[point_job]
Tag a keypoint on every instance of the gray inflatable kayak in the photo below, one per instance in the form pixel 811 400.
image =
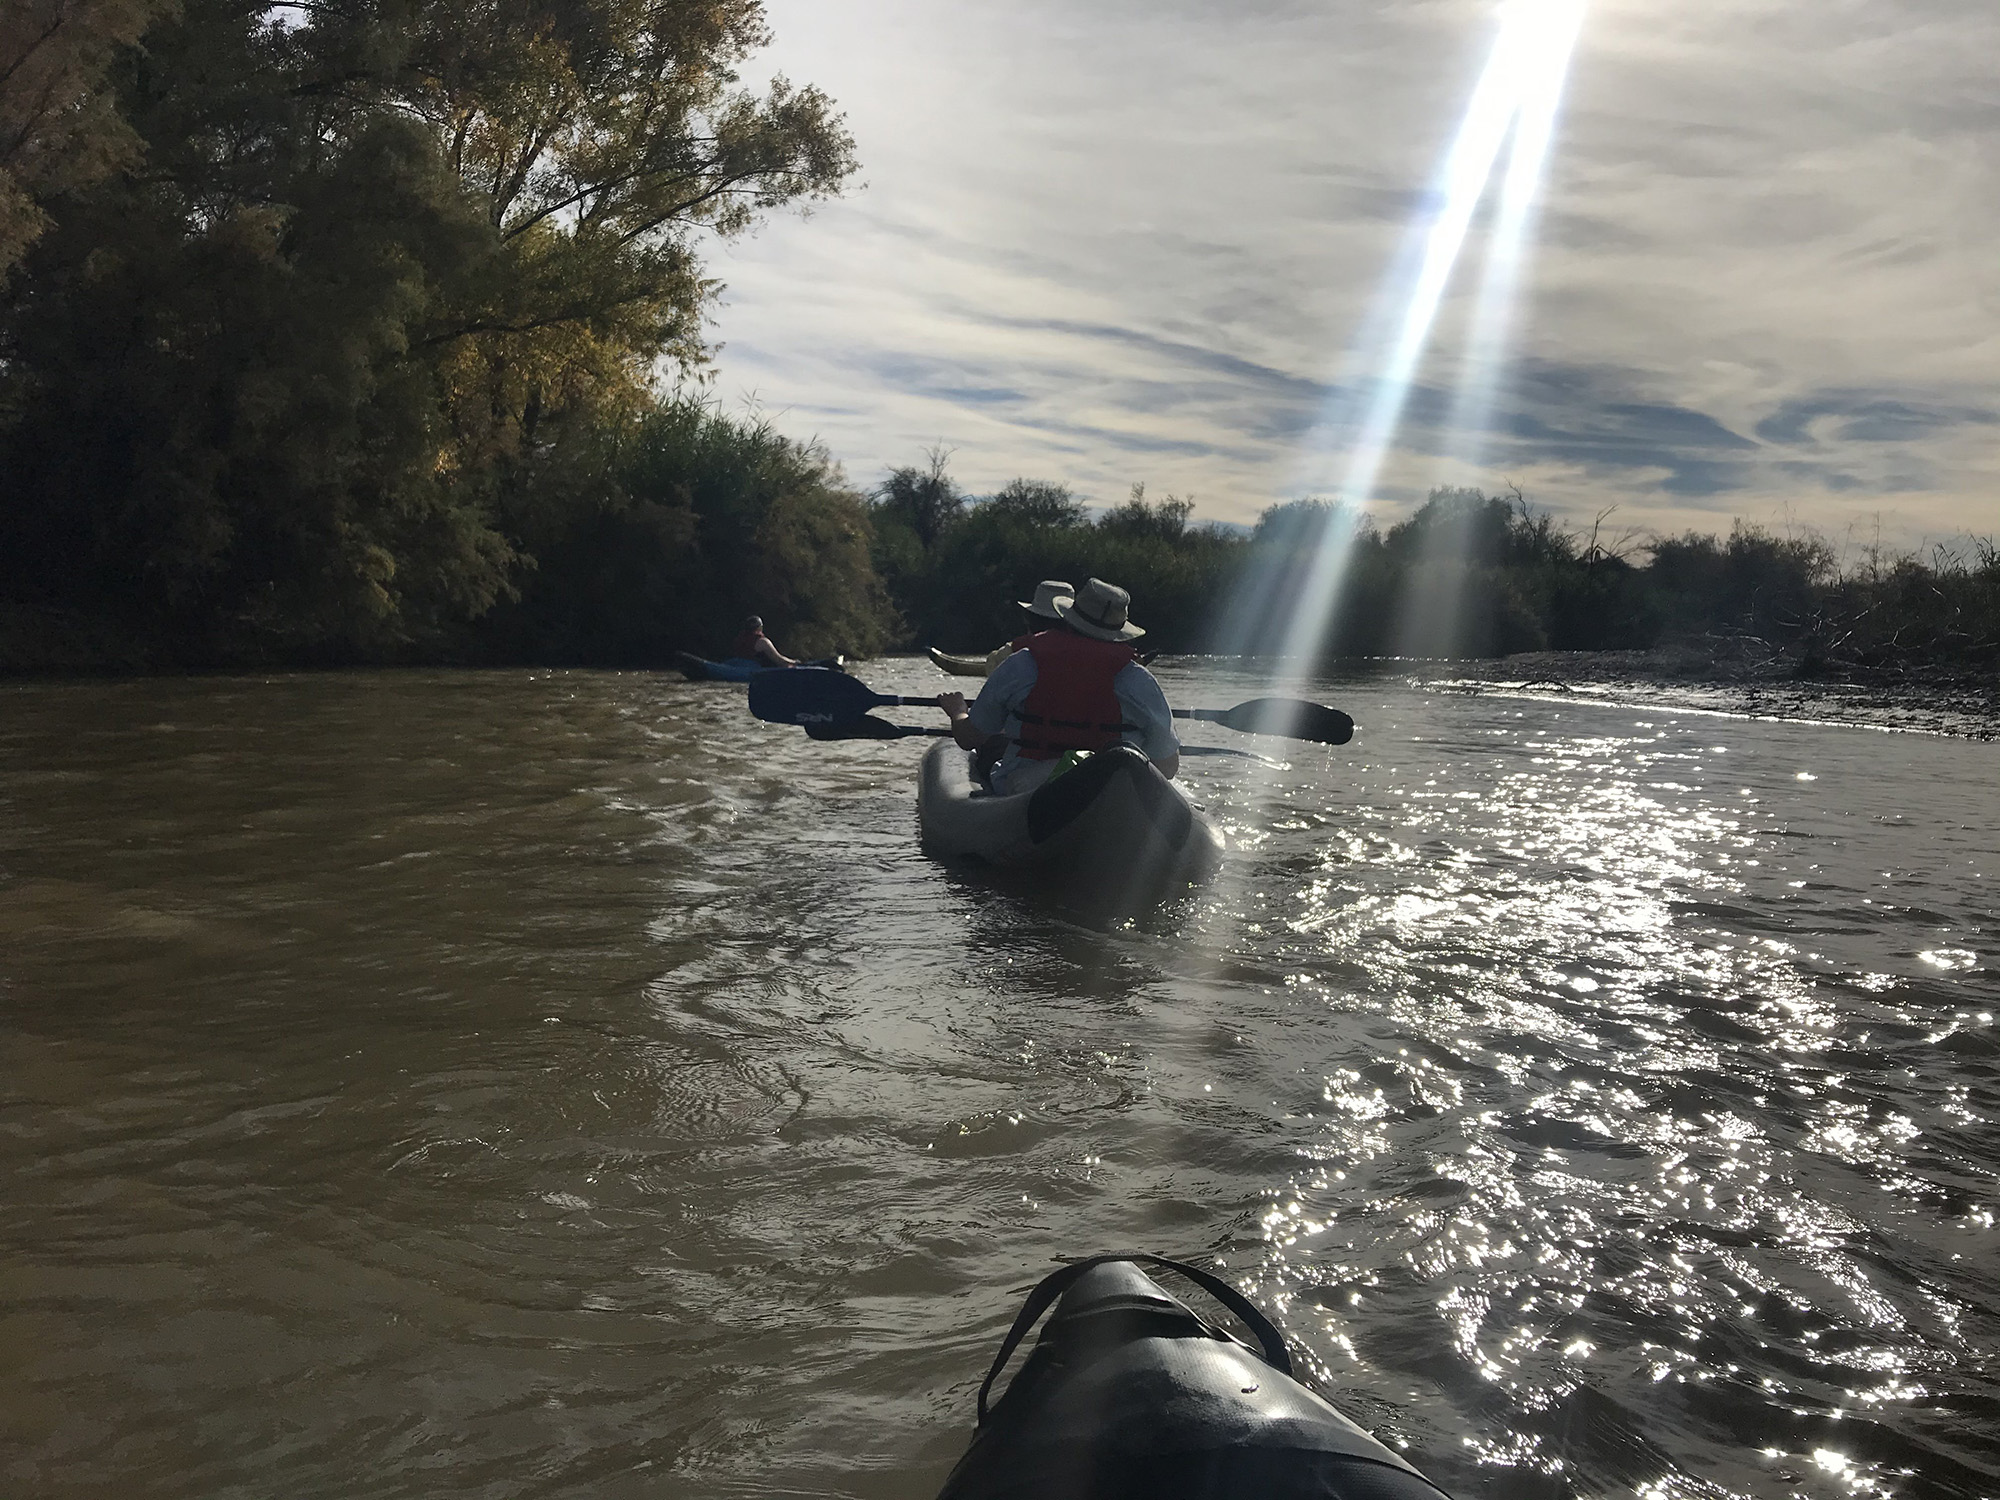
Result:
pixel 1113 824
pixel 1129 1395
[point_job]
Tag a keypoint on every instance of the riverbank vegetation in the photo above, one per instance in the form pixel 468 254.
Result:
pixel 1466 575
pixel 351 333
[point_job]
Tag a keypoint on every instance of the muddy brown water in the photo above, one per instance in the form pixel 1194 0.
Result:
pixel 557 1084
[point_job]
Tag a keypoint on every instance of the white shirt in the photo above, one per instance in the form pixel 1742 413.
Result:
pixel 1142 706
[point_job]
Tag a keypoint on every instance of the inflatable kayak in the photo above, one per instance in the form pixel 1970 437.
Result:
pixel 1128 1395
pixel 1113 824
pixel 982 666
pixel 739 668
pixel 970 666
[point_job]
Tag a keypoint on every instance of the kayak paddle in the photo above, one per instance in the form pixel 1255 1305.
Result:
pixel 1292 717
pixel 815 697
pixel 868 727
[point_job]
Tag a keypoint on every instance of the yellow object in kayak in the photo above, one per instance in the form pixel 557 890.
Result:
pixel 970 666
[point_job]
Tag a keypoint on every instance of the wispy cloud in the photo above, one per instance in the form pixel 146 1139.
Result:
pixel 1825 418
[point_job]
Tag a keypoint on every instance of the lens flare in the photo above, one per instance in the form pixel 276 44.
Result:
pixel 1516 97
pixel 1431 614
pixel 1510 244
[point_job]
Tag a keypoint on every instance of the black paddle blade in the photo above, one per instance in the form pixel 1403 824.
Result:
pixel 810 695
pixel 813 695
pixel 868 727
pixel 1291 717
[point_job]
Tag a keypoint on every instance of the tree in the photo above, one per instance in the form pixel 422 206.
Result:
pixel 383 284
pixel 59 129
pixel 1166 520
pixel 706 518
pixel 925 500
pixel 1035 502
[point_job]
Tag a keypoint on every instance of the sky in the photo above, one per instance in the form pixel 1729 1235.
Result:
pixel 1155 240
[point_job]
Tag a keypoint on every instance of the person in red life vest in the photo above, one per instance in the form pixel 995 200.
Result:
pixel 752 645
pixel 1074 687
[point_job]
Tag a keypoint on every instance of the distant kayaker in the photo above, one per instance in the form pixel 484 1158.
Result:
pixel 1073 687
pixel 751 644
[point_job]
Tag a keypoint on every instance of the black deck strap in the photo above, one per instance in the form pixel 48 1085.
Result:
pixel 1073 723
pixel 1061 800
pixel 1054 1285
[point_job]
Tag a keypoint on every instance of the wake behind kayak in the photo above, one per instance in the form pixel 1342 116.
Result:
pixel 1129 1395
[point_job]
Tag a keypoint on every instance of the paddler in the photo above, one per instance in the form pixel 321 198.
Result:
pixel 1075 686
pixel 1039 614
pixel 752 645
pixel 1041 610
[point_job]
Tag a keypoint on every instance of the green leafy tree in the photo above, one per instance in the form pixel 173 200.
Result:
pixel 1165 520
pixel 378 294
pixel 704 518
pixel 1035 502
pixel 59 128
pixel 924 500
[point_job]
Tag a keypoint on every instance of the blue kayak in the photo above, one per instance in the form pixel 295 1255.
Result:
pixel 1129 1395
pixel 741 668
pixel 730 669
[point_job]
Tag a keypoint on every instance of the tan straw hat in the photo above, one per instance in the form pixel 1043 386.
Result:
pixel 1100 611
pixel 1049 593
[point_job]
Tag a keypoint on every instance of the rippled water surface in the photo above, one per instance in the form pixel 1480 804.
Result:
pixel 558 1085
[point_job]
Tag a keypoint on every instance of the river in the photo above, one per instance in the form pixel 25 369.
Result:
pixel 515 1084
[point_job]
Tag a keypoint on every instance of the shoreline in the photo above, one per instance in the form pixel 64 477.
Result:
pixel 1755 684
pixel 1749 679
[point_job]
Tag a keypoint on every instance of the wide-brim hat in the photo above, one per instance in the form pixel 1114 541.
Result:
pixel 1048 594
pixel 1099 610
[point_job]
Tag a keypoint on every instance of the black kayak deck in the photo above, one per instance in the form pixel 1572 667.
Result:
pixel 1056 804
pixel 1129 1395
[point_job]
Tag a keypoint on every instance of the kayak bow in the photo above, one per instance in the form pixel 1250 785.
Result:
pixel 982 666
pixel 970 666
pixel 1129 1395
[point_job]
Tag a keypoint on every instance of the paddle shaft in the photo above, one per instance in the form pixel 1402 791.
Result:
pixel 807 695
pixel 869 727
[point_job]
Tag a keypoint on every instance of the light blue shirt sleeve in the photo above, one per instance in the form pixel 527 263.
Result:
pixel 1145 709
pixel 1007 688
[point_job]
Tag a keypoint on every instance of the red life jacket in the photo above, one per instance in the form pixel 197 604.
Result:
pixel 745 644
pixel 1071 706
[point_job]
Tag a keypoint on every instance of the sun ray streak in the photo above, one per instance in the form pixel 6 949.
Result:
pixel 1430 616
pixel 1511 243
pixel 1516 94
